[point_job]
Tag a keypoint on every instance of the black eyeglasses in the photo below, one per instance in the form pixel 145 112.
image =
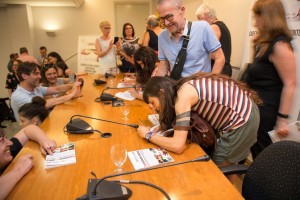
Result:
pixel 169 18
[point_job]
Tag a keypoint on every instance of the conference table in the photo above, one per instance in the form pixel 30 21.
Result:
pixel 196 180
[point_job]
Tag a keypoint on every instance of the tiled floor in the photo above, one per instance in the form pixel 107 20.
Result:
pixel 11 128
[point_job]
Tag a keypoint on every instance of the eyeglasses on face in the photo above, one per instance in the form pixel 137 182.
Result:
pixel 107 28
pixel 169 18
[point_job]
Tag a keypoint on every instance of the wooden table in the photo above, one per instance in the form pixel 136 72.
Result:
pixel 190 181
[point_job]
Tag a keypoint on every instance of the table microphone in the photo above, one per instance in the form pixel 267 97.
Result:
pixel 109 97
pixel 112 190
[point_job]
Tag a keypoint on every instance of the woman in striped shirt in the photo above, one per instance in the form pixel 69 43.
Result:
pixel 221 101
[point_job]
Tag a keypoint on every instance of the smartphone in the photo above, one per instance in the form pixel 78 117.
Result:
pixel 72 78
pixel 116 39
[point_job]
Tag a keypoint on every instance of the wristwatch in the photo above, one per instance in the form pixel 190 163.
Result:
pixel 148 136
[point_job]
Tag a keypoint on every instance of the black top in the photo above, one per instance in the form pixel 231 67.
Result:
pixel 153 41
pixel 15 147
pixel 225 41
pixel 263 77
pixel 12 81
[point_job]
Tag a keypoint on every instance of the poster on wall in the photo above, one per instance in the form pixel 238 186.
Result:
pixel 87 59
pixel 292 11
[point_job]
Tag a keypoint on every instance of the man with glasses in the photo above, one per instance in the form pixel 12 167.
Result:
pixel 202 47
pixel 10 148
pixel 29 75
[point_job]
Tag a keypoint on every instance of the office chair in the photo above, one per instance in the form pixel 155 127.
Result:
pixel 273 175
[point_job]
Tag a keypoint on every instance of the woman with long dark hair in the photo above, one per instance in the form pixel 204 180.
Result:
pixel 229 106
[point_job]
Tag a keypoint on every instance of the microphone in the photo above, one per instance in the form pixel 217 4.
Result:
pixel 109 97
pixel 71 121
pixel 105 189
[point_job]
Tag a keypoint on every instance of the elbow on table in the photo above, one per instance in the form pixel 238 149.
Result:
pixel 178 149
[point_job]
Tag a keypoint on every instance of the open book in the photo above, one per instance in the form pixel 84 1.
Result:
pixel 294 133
pixel 63 155
pixel 149 157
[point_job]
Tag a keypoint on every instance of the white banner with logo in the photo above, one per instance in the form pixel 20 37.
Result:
pixel 87 59
pixel 292 10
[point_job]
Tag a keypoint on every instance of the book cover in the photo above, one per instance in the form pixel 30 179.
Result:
pixel 63 155
pixel 149 157
pixel 294 133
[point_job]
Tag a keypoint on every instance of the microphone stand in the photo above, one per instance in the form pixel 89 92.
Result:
pixel 131 125
pixel 93 193
pixel 71 56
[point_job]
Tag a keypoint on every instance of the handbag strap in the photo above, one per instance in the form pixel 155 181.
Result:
pixel 186 38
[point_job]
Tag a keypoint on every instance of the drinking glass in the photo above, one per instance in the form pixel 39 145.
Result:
pixel 118 154
pixel 125 112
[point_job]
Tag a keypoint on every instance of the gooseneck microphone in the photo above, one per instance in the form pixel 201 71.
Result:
pixel 131 125
pixel 97 193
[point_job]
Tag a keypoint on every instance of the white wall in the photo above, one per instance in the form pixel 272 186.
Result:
pixel 72 22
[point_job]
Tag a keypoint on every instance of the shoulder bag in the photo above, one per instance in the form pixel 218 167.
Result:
pixel 200 132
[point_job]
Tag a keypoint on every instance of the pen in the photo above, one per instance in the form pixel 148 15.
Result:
pixel 141 122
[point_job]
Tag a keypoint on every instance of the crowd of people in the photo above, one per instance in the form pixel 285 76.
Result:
pixel 241 113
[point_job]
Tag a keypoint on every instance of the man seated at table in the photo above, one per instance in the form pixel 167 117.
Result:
pixel 10 148
pixel 29 75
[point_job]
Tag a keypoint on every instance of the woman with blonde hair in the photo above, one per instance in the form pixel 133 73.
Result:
pixel 273 71
pixel 150 38
pixel 207 12
pixel 105 48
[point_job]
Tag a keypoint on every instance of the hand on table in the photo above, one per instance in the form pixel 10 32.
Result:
pixel 48 147
pixel 282 126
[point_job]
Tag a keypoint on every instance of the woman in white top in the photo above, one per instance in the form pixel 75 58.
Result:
pixel 105 49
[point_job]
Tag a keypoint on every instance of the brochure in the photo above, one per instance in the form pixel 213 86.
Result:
pixel 294 133
pixel 63 155
pixel 154 119
pixel 149 157
pixel 125 95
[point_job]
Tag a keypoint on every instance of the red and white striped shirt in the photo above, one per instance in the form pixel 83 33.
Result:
pixel 222 103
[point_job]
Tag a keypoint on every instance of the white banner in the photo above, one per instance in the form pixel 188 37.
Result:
pixel 292 10
pixel 87 59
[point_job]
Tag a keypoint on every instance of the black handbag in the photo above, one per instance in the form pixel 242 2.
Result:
pixel 180 60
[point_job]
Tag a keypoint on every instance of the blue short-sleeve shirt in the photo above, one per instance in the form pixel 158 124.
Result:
pixel 202 42
pixel 21 96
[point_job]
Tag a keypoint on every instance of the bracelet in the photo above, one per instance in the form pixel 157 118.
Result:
pixel 148 136
pixel 282 115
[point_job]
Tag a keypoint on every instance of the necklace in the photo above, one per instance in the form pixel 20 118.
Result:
pixel 258 47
